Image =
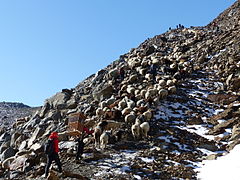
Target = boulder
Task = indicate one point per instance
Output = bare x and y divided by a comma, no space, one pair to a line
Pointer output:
9,152
222,98
5,137
58,101
36,134
114,73
14,138
220,128
18,163
105,92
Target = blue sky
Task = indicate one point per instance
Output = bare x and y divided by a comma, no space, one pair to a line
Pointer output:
49,45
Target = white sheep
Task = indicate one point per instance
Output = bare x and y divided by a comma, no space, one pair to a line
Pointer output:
172,90
162,83
126,111
147,115
136,129
130,90
163,93
136,92
143,92
141,102
148,76
130,118
104,139
170,82
145,127
122,104
130,104
142,71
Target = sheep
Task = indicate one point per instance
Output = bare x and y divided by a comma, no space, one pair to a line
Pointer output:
110,100
104,138
99,112
172,89
132,78
119,134
142,71
141,102
162,83
130,90
144,128
163,93
144,63
143,92
126,111
147,115
130,118
122,104
18,123
98,131
148,77
147,95
130,104
136,129
170,82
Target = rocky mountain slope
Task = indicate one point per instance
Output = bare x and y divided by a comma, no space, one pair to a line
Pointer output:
192,106
9,112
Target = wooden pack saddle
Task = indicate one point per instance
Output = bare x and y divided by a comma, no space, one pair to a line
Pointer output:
75,121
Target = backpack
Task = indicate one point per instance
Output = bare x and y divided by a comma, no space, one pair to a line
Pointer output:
49,147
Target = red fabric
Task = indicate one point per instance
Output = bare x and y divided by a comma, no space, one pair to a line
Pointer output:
87,130
54,136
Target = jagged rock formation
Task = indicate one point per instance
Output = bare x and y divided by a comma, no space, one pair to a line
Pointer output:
196,85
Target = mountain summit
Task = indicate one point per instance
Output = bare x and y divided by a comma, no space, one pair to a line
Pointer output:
183,83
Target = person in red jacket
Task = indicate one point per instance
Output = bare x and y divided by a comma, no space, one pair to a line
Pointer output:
54,154
80,143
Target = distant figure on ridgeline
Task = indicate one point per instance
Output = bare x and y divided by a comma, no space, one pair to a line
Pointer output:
121,73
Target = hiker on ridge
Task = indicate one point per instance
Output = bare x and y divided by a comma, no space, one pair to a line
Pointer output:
52,150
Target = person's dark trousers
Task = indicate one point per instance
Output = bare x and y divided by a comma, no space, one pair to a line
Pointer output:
80,148
50,159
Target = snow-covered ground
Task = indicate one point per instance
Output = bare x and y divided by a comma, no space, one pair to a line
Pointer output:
223,168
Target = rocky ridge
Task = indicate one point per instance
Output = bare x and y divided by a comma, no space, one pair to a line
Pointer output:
193,105
9,112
